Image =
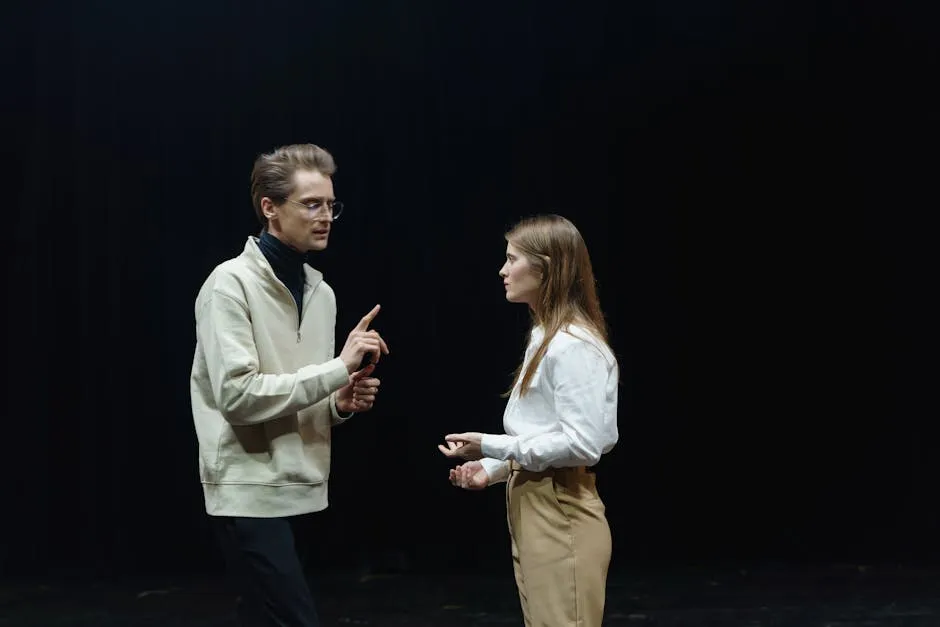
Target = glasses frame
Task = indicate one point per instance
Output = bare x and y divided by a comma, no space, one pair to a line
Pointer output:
334,207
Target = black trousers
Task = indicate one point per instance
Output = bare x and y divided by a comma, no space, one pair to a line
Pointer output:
265,565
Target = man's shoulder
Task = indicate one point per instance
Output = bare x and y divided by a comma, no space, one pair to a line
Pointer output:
229,278
238,266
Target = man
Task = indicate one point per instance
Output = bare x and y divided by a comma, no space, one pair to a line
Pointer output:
266,387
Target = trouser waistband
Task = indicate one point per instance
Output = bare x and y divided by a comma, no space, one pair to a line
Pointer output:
514,466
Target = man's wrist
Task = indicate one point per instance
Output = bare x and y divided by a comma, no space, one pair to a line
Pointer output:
336,406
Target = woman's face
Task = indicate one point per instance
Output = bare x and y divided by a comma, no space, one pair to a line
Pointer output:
521,280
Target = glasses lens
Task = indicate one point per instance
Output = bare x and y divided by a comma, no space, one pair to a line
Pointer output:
337,209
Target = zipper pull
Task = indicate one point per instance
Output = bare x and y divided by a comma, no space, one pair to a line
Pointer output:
298,337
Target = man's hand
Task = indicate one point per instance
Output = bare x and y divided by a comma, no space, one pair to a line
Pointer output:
470,476
359,395
463,445
362,342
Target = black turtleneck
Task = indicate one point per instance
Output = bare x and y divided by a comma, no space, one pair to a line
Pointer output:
288,265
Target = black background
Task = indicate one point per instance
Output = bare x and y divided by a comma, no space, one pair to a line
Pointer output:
753,182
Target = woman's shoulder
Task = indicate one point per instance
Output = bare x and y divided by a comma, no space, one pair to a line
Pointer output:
578,337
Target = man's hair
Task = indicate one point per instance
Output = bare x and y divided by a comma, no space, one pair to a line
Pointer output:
273,173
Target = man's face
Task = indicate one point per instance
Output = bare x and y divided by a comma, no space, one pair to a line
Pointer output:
293,222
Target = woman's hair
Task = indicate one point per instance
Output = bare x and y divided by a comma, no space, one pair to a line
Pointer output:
568,294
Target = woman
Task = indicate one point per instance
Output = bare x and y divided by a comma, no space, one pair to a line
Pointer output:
560,418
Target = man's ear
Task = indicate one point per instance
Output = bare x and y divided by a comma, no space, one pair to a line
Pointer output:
268,208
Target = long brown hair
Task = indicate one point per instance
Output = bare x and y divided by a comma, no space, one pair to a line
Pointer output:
568,293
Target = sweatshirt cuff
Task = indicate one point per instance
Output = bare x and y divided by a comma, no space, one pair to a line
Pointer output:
496,446
338,416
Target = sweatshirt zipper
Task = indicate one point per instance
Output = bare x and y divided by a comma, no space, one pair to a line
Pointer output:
291,297
298,316
304,301
293,302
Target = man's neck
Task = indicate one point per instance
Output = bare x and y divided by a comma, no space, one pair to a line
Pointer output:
287,263
286,253
283,241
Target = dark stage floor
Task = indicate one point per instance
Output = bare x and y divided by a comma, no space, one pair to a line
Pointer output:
730,596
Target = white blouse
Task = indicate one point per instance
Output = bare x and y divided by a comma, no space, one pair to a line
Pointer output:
568,417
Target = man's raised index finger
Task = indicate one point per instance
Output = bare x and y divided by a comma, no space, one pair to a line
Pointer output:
368,318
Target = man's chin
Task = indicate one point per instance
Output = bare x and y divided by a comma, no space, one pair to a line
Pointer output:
317,245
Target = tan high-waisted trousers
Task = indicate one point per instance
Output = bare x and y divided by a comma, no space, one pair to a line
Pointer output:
560,546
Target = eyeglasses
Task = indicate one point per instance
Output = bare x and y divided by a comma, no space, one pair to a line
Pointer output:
334,207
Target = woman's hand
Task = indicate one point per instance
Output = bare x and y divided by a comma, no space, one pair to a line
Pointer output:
470,476
463,445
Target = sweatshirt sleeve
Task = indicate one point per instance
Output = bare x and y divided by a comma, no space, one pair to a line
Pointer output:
336,416
242,394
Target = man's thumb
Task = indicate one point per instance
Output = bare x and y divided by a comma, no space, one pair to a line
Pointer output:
365,372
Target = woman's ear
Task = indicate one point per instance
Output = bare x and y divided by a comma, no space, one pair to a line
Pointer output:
544,269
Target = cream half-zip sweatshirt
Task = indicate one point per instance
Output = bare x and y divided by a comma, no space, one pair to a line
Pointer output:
262,389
